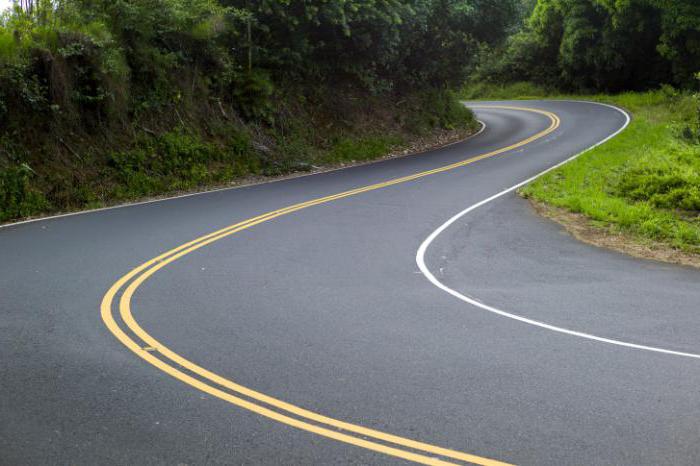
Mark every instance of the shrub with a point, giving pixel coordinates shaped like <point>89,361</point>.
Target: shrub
<point>178,160</point>
<point>435,109</point>
<point>252,94</point>
<point>367,148</point>
<point>17,196</point>
<point>671,181</point>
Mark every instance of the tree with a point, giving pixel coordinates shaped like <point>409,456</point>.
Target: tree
<point>607,45</point>
<point>680,39</point>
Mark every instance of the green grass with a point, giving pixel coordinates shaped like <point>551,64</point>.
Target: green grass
<point>361,149</point>
<point>645,182</point>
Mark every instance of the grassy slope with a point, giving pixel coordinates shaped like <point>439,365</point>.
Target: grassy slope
<point>645,182</point>
<point>206,146</point>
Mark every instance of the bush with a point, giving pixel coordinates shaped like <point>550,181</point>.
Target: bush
<point>437,109</point>
<point>516,90</point>
<point>670,180</point>
<point>17,196</point>
<point>367,148</point>
<point>253,96</point>
<point>601,46</point>
<point>178,161</point>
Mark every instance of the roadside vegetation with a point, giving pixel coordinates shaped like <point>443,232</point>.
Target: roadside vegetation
<point>103,101</point>
<point>641,55</point>
<point>645,182</point>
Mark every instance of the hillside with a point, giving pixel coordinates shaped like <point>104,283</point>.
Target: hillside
<point>108,101</point>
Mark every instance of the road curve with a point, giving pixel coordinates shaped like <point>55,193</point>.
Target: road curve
<point>304,332</point>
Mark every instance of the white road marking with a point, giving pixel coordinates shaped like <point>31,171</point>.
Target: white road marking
<point>420,260</point>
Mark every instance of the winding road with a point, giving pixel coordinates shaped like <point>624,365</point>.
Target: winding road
<point>409,310</point>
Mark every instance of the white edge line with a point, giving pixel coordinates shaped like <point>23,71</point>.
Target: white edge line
<point>291,176</point>
<point>420,258</point>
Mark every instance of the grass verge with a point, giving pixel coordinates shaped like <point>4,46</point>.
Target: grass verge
<point>645,183</point>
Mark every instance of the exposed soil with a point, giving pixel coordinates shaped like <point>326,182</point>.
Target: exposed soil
<point>582,229</point>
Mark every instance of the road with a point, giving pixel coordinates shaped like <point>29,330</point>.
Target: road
<point>313,334</point>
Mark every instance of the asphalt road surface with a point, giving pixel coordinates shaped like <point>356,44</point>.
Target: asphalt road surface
<point>313,335</point>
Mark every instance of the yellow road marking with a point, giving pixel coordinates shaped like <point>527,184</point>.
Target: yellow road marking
<point>147,269</point>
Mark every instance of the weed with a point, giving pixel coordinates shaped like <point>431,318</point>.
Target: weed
<point>178,161</point>
<point>362,149</point>
<point>18,198</point>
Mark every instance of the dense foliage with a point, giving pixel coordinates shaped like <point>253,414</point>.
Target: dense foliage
<point>645,182</point>
<point>603,45</point>
<point>101,59</point>
<point>104,100</point>
<point>111,99</point>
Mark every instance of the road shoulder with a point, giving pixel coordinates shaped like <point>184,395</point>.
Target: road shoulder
<point>584,229</point>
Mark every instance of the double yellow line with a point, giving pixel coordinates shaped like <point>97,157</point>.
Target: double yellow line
<point>160,356</point>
